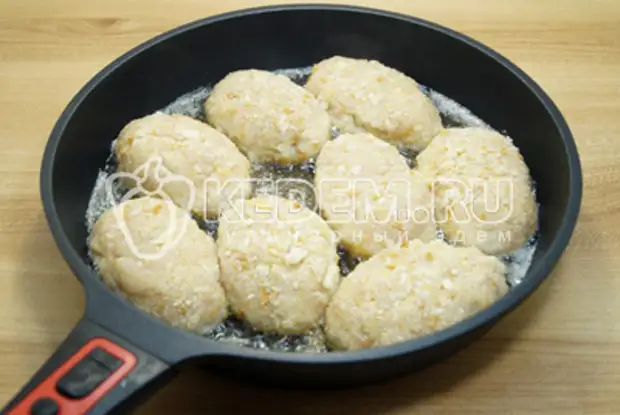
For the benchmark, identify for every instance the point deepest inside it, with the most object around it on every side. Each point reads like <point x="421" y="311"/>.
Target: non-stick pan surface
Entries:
<point x="143" y="349"/>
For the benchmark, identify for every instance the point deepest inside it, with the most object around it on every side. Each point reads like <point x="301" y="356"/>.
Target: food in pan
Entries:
<point x="404" y="293"/>
<point x="268" y="116"/>
<point x="279" y="264"/>
<point x="365" y="95"/>
<point x="154" y="253"/>
<point x="369" y="195"/>
<point x="195" y="165"/>
<point x="482" y="191"/>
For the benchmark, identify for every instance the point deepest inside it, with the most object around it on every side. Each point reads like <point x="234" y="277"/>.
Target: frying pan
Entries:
<point x="117" y="355"/>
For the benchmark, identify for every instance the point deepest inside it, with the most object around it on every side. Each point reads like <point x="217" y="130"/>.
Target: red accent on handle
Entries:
<point x="47" y="388"/>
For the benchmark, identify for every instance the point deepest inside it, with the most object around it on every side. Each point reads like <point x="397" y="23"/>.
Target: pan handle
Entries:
<point x="93" y="371"/>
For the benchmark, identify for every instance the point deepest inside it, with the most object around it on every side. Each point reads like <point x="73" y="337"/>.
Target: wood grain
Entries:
<point x="558" y="353"/>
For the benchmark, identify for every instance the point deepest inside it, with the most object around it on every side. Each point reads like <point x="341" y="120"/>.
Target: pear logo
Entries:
<point x="151" y="179"/>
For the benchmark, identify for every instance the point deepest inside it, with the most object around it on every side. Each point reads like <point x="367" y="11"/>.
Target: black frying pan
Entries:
<point x="128" y="353"/>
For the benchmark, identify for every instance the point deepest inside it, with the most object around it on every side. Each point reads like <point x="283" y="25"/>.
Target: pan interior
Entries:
<point x="234" y="330"/>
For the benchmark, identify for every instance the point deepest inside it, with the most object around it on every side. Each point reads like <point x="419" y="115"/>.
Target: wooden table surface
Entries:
<point x="558" y="353"/>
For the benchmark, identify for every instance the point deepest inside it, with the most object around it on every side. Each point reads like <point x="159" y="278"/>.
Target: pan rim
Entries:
<point x="538" y="273"/>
